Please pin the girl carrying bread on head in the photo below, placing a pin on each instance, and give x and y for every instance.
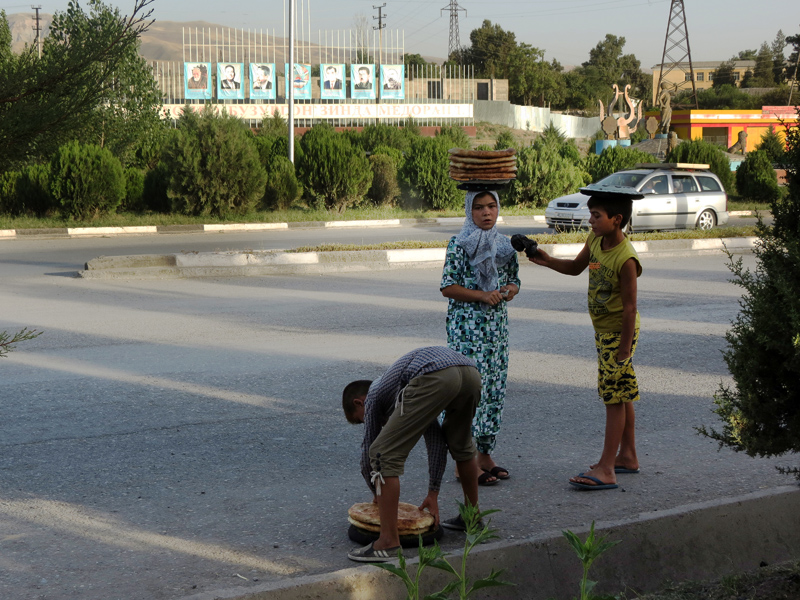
(480, 276)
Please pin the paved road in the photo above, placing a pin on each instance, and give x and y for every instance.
(60, 256)
(164, 438)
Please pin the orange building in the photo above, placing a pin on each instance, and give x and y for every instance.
(722, 127)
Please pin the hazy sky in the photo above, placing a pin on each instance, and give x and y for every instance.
(565, 29)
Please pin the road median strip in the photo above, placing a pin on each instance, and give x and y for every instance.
(278, 262)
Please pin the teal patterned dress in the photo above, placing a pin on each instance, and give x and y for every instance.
(483, 336)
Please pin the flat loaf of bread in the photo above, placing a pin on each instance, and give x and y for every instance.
(410, 519)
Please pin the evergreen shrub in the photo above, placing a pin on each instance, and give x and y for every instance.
(385, 189)
(156, 186)
(702, 152)
(381, 135)
(214, 165)
(282, 187)
(760, 413)
(86, 181)
(756, 178)
(334, 173)
(134, 190)
(772, 144)
(543, 174)
(425, 178)
(32, 192)
(8, 191)
(616, 158)
(505, 140)
(456, 135)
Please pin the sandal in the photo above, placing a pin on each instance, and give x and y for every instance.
(496, 471)
(368, 554)
(485, 478)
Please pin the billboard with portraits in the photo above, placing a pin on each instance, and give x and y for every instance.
(362, 82)
(301, 81)
(393, 82)
(197, 81)
(332, 81)
(229, 81)
(262, 81)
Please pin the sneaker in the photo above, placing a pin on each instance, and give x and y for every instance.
(368, 554)
(457, 524)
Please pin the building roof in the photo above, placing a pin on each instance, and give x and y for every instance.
(710, 64)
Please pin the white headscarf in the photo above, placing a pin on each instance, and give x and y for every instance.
(486, 249)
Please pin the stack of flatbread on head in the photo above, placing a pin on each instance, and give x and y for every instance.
(483, 165)
(410, 519)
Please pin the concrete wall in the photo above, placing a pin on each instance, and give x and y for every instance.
(534, 118)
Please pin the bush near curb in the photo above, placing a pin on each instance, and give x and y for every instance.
(756, 178)
(214, 165)
(426, 176)
(335, 174)
(86, 181)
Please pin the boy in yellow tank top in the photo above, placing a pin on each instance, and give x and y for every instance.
(613, 270)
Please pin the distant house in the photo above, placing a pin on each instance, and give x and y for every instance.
(703, 73)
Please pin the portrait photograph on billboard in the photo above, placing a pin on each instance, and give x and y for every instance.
(198, 83)
(332, 82)
(229, 81)
(392, 82)
(362, 82)
(301, 81)
(262, 81)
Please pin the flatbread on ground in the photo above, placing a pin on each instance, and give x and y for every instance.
(409, 517)
(377, 528)
(482, 153)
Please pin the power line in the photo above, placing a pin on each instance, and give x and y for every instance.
(677, 54)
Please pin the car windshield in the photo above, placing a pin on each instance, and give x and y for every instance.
(623, 179)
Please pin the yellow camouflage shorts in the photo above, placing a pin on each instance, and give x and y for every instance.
(616, 381)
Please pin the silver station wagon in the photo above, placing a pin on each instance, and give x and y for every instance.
(676, 196)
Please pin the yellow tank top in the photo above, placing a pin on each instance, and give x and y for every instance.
(605, 298)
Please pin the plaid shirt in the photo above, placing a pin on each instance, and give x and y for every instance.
(382, 399)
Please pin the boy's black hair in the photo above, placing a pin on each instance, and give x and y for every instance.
(613, 206)
(353, 390)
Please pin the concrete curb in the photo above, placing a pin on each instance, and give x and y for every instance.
(692, 542)
(239, 264)
(82, 232)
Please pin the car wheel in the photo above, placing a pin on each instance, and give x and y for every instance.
(706, 220)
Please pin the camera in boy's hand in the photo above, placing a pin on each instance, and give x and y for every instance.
(522, 243)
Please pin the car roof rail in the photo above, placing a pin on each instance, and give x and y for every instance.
(681, 166)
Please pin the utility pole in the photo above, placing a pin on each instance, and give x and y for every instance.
(381, 26)
(454, 44)
(794, 80)
(376, 79)
(677, 53)
(290, 83)
(37, 28)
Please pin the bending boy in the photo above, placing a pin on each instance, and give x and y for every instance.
(397, 410)
(613, 269)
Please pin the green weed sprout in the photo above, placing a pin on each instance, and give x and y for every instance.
(588, 552)
(477, 533)
(7, 342)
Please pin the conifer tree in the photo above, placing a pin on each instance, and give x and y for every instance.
(760, 412)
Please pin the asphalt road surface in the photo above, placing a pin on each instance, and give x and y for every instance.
(169, 437)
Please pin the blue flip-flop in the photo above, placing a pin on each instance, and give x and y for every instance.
(599, 485)
(625, 470)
